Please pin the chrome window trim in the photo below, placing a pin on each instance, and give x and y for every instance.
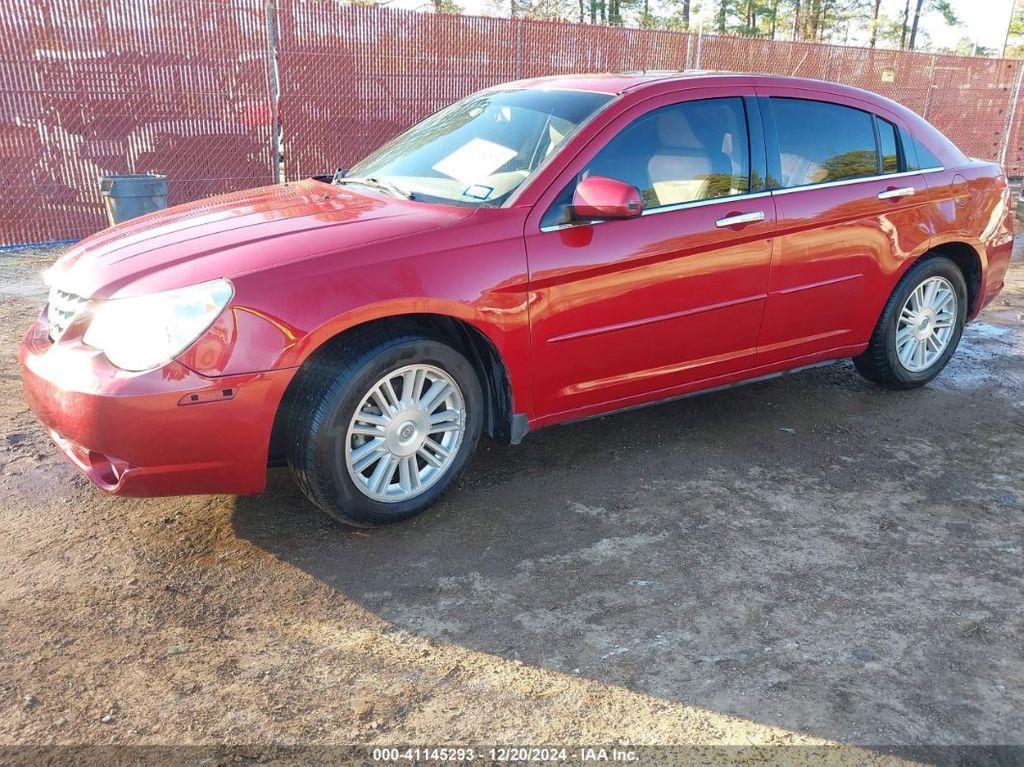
(859, 180)
(662, 209)
(702, 203)
(751, 196)
(574, 224)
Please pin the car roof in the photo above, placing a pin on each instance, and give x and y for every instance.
(611, 83)
(615, 83)
(620, 83)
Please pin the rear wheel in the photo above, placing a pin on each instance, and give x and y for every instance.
(385, 426)
(920, 326)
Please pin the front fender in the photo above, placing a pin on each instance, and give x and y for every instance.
(474, 273)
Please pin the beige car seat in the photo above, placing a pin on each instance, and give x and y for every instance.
(685, 162)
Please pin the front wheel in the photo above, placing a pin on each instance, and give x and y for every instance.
(920, 326)
(388, 425)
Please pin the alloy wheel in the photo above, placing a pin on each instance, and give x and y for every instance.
(405, 433)
(925, 324)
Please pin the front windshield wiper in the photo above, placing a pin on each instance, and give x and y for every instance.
(373, 182)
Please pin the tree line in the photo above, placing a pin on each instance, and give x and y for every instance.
(875, 23)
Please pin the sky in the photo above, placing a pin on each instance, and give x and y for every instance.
(983, 21)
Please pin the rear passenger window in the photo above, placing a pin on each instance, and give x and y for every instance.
(821, 142)
(889, 146)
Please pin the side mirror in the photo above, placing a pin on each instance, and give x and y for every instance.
(601, 198)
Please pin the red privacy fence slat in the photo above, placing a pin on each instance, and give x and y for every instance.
(89, 87)
(353, 77)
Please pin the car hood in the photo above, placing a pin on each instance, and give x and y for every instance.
(238, 233)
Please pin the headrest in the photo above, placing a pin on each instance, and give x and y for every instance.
(675, 131)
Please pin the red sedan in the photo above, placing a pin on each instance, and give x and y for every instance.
(540, 252)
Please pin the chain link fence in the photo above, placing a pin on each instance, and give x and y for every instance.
(211, 91)
(92, 87)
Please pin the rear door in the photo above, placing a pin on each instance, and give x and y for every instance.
(848, 215)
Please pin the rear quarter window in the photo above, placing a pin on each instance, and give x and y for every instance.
(919, 157)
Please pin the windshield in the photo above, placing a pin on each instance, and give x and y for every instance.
(480, 149)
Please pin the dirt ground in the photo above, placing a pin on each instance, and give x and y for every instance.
(806, 560)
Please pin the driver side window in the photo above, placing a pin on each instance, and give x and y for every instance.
(696, 150)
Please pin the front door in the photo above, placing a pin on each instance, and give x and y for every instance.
(633, 310)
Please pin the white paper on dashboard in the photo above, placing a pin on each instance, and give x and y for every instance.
(475, 160)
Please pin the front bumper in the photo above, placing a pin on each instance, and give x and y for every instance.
(169, 431)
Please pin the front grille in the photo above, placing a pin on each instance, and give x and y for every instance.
(61, 311)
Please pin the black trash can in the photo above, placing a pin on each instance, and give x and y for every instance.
(126, 197)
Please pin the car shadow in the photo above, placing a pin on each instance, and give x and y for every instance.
(784, 552)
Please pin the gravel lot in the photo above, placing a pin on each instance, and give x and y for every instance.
(806, 560)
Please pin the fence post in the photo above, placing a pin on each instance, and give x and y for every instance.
(519, 46)
(1012, 117)
(274, 92)
(931, 88)
(700, 39)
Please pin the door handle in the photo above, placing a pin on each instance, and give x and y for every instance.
(740, 218)
(892, 194)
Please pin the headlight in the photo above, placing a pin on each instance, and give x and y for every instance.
(145, 332)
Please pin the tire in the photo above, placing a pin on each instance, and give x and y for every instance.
(322, 436)
(882, 362)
